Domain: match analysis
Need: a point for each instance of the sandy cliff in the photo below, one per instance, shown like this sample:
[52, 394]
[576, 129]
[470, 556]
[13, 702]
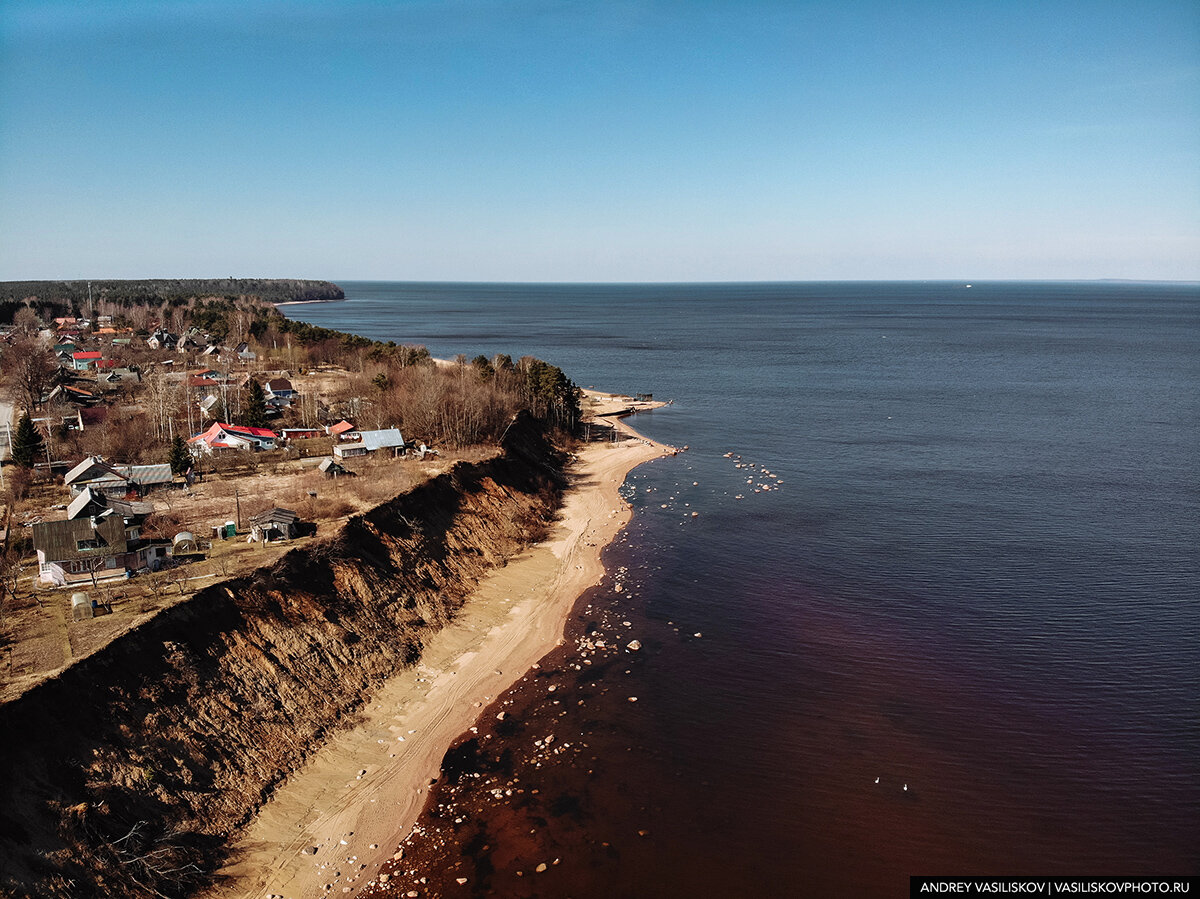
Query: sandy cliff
[125, 774]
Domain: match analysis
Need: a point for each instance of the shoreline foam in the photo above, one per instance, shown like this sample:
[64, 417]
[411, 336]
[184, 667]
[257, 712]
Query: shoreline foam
[367, 785]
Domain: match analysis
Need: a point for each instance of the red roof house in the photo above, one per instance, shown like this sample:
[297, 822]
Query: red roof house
[225, 436]
[85, 360]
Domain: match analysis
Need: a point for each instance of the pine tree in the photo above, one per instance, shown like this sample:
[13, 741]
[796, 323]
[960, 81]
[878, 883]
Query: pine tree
[27, 443]
[180, 458]
[256, 407]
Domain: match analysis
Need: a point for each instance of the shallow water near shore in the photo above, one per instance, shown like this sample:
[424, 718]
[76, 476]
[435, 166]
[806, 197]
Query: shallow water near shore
[974, 574]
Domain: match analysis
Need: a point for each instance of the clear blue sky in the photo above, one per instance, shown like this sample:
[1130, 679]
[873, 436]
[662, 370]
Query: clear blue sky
[607, 141]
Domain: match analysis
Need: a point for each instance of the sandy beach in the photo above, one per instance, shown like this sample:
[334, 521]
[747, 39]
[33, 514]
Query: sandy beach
[345, 813]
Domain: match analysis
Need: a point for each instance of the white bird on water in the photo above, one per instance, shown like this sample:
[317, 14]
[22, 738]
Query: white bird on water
[877, 780]
[906, 788]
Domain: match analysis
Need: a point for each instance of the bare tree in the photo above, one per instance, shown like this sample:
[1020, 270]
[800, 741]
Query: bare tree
[26, 321]
[30, 369]
[164, 392]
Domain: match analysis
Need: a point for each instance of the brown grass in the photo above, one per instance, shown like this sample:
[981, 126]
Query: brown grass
[39, 636]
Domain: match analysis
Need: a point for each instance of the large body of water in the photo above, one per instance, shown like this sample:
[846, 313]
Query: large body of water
[979, 577]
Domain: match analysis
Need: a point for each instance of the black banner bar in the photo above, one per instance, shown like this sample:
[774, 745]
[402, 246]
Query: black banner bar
[1013, 887]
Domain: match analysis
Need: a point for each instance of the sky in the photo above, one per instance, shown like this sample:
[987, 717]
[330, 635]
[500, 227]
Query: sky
[617, 140]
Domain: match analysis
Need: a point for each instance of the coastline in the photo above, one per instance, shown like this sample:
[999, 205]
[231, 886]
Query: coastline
[357, 799]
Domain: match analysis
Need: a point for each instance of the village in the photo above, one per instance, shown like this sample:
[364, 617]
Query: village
[98, 537]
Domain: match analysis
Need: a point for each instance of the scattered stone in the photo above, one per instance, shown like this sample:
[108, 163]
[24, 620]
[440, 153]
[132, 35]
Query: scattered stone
[460, 880]
[542, 867]
[635, 645]
[633, 699]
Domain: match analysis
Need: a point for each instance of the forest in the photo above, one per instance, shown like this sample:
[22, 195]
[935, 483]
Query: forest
[73, 297]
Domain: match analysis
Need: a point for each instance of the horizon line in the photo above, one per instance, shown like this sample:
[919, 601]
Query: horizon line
[665, 282]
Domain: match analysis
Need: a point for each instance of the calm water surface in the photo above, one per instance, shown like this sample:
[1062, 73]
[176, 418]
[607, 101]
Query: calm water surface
[979, 577]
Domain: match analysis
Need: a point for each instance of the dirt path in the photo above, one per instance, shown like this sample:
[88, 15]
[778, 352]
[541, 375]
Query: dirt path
[337, 819]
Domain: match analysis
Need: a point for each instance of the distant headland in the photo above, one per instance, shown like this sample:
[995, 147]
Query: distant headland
[271, 290]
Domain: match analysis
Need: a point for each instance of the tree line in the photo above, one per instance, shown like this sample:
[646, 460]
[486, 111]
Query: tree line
[76, 295]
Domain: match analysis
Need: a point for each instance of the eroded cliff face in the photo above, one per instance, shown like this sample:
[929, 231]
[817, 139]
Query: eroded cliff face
[125, 774]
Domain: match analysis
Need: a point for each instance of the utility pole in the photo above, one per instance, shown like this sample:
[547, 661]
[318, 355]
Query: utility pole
[237, 499]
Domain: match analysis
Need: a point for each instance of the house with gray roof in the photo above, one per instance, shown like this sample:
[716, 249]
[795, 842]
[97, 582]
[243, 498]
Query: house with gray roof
[388, 440]
[91, 549]
[117, 480]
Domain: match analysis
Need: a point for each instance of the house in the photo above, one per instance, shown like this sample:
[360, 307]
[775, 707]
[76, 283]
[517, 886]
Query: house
[72, 394]
[225, 436]
[280, 389]
[95, 472]
[104, 478]
[83, 360]
[200, 383]
[98, 547]
[389, 440]
[91, 504]
[118, 377]
[162, 340]
[275, 524]
[246, 354]
[191, 340]
[144, 478]
[339, 430]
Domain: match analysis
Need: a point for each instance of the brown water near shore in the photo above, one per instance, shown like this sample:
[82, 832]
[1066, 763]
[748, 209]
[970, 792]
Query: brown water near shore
[568, 788]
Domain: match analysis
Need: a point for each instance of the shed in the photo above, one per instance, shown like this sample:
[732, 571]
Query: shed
[276, 523]
[184, 544]
[331, 469]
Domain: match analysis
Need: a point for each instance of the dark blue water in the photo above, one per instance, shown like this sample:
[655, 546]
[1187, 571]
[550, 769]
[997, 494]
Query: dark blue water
[979, 576]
